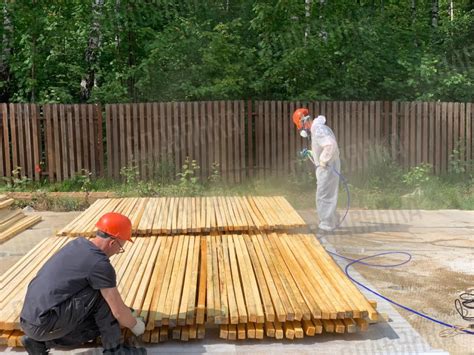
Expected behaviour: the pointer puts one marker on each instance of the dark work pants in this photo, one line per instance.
(76, 321)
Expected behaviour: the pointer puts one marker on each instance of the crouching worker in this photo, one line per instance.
(74, 298)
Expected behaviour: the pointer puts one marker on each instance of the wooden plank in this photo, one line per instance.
(201, 299)
(201, 120)
(238, 288)
(165, 286)
(64, 139)
(231, 294)
(450, 126)
(210, 281)
(221, 307)
(99, 140)
(157, 279)
(263, 288)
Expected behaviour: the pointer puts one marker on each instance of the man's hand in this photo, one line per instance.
(323, 164)
(139, 328)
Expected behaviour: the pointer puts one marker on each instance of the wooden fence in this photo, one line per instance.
(245, 138)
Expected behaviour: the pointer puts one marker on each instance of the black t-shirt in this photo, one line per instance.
(79, 264)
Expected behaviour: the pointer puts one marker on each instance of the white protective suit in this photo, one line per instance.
(325, 151)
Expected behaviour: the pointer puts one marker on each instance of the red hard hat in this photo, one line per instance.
(298, 115)
(116, 225)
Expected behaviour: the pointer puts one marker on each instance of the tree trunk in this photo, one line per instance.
(92, 50)
(307, 14)
(435, 13)
(5, 54)
(451, 10)
(413, 10)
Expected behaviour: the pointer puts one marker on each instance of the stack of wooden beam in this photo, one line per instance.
(182, 215)
(13, 222)
(250, 285)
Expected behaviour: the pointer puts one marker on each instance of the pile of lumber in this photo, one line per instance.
(183, 215)
(13, 222)
(249, 285)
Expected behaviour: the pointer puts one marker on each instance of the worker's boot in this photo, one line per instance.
(34, 347)
(123, 349)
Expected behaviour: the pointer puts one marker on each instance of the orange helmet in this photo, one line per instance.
(298, 118)
(116, 225)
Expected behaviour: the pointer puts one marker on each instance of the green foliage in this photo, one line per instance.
(17, 182)
(418, 175)
(211, 50)
(215, 174)
(188, 180)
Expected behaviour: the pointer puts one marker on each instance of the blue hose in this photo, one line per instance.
(359, 261)
(308, 154)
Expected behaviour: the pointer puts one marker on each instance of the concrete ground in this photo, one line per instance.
(442, 246)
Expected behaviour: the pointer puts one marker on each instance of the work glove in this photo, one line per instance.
(139, 328)
(323, 164)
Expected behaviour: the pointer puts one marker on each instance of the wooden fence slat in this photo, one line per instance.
(251, 133)
(200, 117)
(115, 141)
(36, 139)
(425, 133)
(150, 143)
(85, 140)
(3, 157)
(366, 137)
(431, 134)
(462, 132)
(444, 136)
(469, 135)
(6, 140)
(235, 149)
(241, 130)
(394, 134)
(196, 138)
(121, 122)
(78, 138)
(455, 144)
(156, 139)
(142, 159)
(227, 120)
(71, 140)
(20, 123)
(63, 140)
(450, 129)
(27, 118)
(224, 132)
(108, 130)
(437, 137)
(273, 127)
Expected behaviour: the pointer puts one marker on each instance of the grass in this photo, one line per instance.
(382, 185)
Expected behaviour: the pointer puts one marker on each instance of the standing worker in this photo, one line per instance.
(326, 158)
(74, 298)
